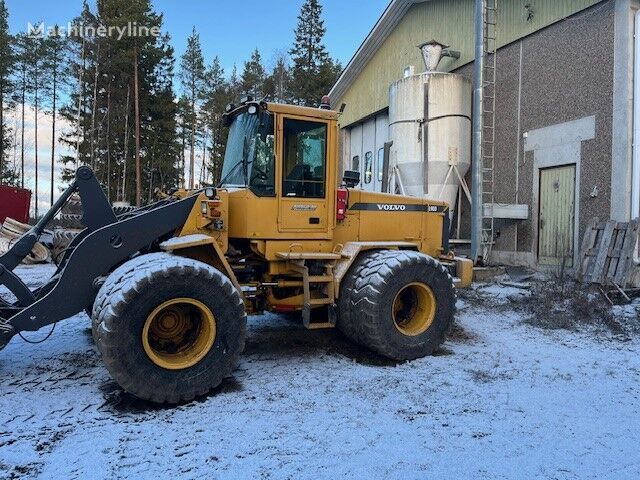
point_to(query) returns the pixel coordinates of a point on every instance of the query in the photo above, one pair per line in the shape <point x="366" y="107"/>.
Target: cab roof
<point x="302" y="111"/>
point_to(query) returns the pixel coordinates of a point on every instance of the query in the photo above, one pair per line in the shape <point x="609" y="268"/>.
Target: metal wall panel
<point x="556" y="221"/>
<point x="450" y="22"/>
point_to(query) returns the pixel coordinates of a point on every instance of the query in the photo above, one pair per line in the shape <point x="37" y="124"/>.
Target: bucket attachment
<point x="105" y="243"/>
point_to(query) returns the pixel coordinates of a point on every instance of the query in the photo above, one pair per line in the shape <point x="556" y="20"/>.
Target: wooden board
<point x="607" y="252"/>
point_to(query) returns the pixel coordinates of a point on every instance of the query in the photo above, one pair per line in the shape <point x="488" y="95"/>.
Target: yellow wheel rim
<point x="179" y="333"/>
<point x="414" y="309"/>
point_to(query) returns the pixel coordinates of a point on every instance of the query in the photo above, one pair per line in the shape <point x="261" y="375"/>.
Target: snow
<point x="502" y="399"/>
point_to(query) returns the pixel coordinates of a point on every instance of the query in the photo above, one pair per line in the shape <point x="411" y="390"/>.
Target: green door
<point x="557" y="215"/>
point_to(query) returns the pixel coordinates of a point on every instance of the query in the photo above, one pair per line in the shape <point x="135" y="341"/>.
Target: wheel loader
<point x="169" y="286"/>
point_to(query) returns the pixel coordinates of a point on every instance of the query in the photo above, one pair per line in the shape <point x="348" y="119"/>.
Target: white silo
<point x="430" y="127"/>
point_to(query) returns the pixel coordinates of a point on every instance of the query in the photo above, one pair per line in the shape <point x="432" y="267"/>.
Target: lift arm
<point x="106" y="243"/>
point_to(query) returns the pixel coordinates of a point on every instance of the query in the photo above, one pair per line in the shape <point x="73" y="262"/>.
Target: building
<point x="564" y="111"/>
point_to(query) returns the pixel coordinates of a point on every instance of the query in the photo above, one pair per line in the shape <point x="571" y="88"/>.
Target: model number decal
<point x="304" y="208"/>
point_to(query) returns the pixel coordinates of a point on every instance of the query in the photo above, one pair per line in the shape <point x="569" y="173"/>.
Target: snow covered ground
<point x="503" y="399"/>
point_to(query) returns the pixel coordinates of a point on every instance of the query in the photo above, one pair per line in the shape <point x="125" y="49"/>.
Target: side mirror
<point x="351" y="178"/>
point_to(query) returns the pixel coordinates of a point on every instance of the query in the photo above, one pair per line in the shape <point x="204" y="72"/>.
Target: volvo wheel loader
<point x="169" y="285"/>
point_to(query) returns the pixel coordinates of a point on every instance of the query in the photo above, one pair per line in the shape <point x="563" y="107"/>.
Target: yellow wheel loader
<point x="169" y="285"/>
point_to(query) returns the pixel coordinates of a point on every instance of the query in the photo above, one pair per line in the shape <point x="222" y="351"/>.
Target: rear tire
<point x="169" y="328"/>
<point x="403" y="304"/>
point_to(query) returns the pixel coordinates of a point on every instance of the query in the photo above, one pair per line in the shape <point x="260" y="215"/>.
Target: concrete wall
<point x="560" y="74"/>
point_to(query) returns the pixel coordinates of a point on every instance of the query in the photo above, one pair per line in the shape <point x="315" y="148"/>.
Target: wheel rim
<point x="414" y="309"/>
<point x="179" y="333"/>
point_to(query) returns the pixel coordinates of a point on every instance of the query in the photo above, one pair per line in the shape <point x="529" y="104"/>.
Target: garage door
<point x="367" y="151"/>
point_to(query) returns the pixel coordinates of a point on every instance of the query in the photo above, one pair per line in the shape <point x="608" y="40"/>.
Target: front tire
<point x="404" y="304"/>
<point x="169" y="328"/>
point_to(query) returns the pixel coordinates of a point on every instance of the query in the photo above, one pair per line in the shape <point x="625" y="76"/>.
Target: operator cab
<point x="284" y="152"/>
<point x="250" y="156"/>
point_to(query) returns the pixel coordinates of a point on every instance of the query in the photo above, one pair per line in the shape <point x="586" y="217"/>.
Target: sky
<point x="230" y="29"/>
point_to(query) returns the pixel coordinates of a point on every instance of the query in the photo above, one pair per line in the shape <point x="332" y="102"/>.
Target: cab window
<point x="262" y="179"/>
<point x="304" y="158"/>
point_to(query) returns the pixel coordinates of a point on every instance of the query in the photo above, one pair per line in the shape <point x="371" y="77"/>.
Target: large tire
<point x="61" y="241"/>
<point x="347" y="320"/>
<point x="71" y="221"/>
<point x="126" y="312"/>
<point x="119" y="211"/>
<point x="73" y="206"/>
<point x="403" y="304"/>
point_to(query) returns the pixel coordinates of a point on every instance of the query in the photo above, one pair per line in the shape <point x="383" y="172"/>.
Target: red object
<point x="342" y="203"/>
<point x="14" y="203"/>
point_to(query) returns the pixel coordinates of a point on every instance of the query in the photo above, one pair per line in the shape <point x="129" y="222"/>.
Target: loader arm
<point x="106" y="243"/>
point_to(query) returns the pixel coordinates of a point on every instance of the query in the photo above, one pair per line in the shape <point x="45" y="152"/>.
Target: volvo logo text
<point x="387" y="207"/>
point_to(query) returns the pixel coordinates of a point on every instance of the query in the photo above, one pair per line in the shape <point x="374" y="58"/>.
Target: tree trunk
<point x="136" y="101"/>
<point x="1" y="129"/>
<point x="203" y="174"/>
<point x="81" y="95"/>
<point x="24" y="92"/>
<point x="108" y="141"/>
<point x="35" y="123"/>
<point x="126" y="146"/>
<point x="192" y="159"/>
<point x="182" y="155"/>
<point x="93" y="114"/>
<point x="53" y="123"/>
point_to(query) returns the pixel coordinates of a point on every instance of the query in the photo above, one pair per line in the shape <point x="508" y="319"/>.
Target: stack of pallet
<point x="608" y="252"/>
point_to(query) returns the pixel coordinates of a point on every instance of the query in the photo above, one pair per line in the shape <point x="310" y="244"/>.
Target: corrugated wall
<point x="450" y="22"/>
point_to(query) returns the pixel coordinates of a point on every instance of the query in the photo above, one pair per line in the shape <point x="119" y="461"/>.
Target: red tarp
<point x="14" y="203"/>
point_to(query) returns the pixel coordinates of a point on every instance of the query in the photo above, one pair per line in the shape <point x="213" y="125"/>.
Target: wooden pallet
<point x="607" y="252"/>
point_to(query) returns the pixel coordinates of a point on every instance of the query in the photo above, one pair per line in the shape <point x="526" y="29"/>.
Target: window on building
<point x="304" y="158"/>
<point x="355" y="163"/>
<point x="368" y="167"/>
<point x="380" y="164"/>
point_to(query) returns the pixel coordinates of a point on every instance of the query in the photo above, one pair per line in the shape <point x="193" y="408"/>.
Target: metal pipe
<point x="476" y="147"/>
<point x="635" y="171"/>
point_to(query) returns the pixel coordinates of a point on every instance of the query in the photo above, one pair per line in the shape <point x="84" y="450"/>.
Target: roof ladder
<point x="489" y="53"/>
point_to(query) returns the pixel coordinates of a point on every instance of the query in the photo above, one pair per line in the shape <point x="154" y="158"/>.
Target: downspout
<point x="476" y="147"/>
<point x="635" y="175"/>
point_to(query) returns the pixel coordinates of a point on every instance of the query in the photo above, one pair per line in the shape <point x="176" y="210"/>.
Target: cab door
<point x="304" y="198"/>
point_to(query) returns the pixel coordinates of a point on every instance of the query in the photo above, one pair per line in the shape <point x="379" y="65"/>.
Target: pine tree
<point x="34" y="54"/>
<point x="127" y="82"/>
<point x="192" y="75"/>
<point x="55" y="46"/>
<point x="21" y="86"/>
<point x="254" y="76"/>
<point x="278" y="84"/>
<point x="218" y="95"/>
<point x="77" y="112"/>
<point x="235" y="85"/>
<point x="7" y="63"/>
<point x="314" y="72"/>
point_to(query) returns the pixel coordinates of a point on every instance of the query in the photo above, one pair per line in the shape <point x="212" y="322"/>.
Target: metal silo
<point x="430" y="127"/>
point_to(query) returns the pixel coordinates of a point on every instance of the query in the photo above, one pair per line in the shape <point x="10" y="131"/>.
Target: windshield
<point x="249" y="157"/>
